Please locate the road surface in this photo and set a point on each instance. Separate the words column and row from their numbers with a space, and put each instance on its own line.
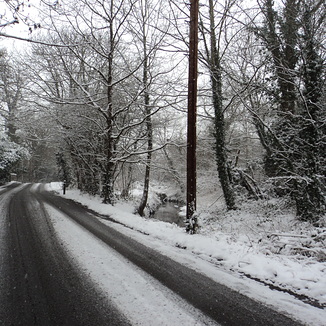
column 41, row 285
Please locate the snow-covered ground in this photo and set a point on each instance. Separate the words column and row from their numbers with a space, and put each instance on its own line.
column 142, row 299
column 261, row 241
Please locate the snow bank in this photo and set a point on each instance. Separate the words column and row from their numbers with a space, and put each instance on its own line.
column 263, row 244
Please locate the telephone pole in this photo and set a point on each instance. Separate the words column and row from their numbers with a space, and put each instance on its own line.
column 191, row 127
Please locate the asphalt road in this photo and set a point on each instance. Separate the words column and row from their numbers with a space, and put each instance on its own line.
column 39, row 285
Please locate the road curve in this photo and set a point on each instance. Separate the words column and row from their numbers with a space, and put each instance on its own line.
column 225, row 306
column 39, row 285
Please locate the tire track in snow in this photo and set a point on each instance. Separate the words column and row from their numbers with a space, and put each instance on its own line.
column 226, row 306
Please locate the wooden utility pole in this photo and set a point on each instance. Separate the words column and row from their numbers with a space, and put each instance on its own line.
column 191, row 130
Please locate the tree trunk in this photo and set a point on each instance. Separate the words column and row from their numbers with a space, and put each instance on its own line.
column 311, row 201
column 148, row 120
column 108, row 184
column 220, row 147
column 149, row 135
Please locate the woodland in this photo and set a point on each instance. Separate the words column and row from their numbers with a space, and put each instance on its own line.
column 96, row 96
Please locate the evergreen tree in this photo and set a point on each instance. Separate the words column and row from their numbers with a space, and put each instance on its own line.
column 294, row 142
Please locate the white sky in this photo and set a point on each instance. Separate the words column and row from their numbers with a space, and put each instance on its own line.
column 28, row 13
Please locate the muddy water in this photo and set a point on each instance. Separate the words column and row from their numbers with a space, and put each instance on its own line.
column 169, row 212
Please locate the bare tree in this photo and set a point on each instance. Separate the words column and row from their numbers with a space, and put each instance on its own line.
column 149, row 32
column 90, row 71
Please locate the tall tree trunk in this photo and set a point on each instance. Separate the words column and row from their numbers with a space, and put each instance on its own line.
column 220, row 147
column 148, row 121
column 149, row 135
column 310, row 198
column 108, row 180
column 148, row 117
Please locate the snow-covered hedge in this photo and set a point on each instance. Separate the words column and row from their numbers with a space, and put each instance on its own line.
column 10, row 154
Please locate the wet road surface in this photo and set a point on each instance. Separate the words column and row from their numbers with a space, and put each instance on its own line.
column 39, row 284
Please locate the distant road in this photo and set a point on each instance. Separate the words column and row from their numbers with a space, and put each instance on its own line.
column 39, row 285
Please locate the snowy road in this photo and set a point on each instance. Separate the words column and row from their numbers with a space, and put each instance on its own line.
column 39, row 283
column 61, row 266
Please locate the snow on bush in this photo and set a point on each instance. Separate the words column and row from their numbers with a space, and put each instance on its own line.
column 10, row 154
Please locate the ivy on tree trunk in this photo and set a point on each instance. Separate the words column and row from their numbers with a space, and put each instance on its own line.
column 220, row 146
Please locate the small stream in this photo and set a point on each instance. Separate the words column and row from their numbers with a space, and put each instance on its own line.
column 169, row 212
